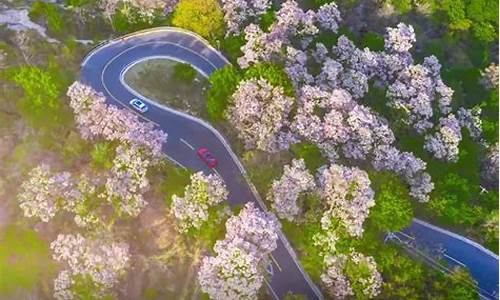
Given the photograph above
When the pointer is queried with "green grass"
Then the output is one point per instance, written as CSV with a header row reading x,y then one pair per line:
x,y
175,182
24,260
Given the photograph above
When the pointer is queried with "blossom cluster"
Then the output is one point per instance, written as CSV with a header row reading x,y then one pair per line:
x,y
444,143
292,23
348,197
238,12
101,261
127,180
416,89
489,77
95,118
237,272
259,112
340,285
284,192
409,167
344,123
41,193
45,193
471,119
204,192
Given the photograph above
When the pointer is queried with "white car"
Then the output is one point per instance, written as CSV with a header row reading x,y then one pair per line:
x,y
139,105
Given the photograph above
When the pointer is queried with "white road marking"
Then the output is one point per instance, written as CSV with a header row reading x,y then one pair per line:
x,y
174,161
276,262
186,143
217,173
271,290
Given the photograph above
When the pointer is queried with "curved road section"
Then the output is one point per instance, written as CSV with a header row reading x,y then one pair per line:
x,y
103,69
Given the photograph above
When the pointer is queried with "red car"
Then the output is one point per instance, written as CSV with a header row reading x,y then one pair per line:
x,y
207,157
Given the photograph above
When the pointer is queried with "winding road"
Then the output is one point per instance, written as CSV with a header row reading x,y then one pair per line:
x,y
104,68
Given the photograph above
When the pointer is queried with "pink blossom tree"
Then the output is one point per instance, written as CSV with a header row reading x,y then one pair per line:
x,y
259,112
95,118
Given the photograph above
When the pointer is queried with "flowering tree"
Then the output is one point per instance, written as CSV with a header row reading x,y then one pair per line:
x,y
238,12
253,230
236,271
444,143
127,181
204,192
415,91
341,122
399,39
101,261
489,77
41,193
471,119
353,274
96,118
232,274
348,196
284,192
328,17
45,193
259,112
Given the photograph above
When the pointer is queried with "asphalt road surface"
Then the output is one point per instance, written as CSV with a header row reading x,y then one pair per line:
x,y
103,69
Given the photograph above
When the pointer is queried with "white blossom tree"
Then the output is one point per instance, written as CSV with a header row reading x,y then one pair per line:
x,y
103,262
348,197
203,193
259,112
284,192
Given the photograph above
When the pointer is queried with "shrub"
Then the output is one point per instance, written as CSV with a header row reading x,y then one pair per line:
x,y
184,72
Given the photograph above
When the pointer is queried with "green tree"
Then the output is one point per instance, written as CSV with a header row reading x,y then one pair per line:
x,y
50,13
40,105
392,210
204,17
455,13
223,83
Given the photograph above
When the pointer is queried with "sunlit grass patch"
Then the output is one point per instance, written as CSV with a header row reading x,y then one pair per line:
x,y
24,260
